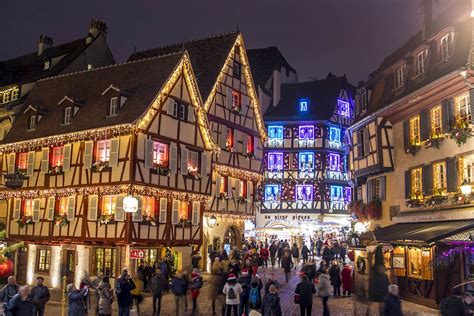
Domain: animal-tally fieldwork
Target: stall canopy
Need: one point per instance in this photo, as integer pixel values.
(422, 232)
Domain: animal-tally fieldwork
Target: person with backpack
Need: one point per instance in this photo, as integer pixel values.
(271, 303)
(232, 291)
(255, 297)
(196, 285)
(305, 253)
(123, 288)
(179, 287)
(295, 254)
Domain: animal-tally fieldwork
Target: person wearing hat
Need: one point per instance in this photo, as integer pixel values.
(232, 291)
(245, 278)
(40, 295)
(196, 284)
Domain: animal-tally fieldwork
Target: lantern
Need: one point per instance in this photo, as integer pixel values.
(130, 204)
(212, 221)
(466, 188)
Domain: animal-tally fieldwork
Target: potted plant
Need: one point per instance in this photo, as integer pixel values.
(416, 200)
(184, 222)
(100, 166)
(413, 149)
(193, 172)
(461, 132)
(106, 219)
(60, 220)
(149, 219)
(55, 170)
(437, 197)
(162, 168)
(24, 220)
(434, 141)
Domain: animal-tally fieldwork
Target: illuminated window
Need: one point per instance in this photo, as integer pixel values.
(334, 134)
(250, 144)
(304, 193)
(229, 143)
(28, 207)
(63, 205)
(439, 175)
(334, 162)
(236, 99)
(6, 97)
(415, 130)
(399, 76)
(103, 150)
(420, 63)
(183, 210)
(43, 260)
(275, 132)
(148, 205)
(343, 108)
(113, 106)
(237, 69)
(416, 182)
(32, 122)
(46, 65)
(337, 193)
(58, 156)
(109, 203)
(467, 164)
(193, 161)
(105, 261)
(67, 115)
(275, 161)
(464, 108)
(306, 132)
(272, 193)
(306, 161)
(447, 46)
(15, 93)
(22, 161)
(304, 104)
(223, 184)
(160, 154)
(348, 194)
(436, 125)
(243, 188)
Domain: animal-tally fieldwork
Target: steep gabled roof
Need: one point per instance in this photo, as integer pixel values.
(29, 67)
(142, 79)
(207, 55)
(263, 61)
(323, 95)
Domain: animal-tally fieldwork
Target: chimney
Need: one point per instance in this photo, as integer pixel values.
(44, 43)
(426, 17)
(276, 87)
(96, 28)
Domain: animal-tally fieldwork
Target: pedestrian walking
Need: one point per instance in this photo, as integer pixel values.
(76, 300)
(305, 290)
(254, 263)
(346, 276)
(271, 303)
(158, 285)
(244, 307)
(295, 254)
(86, 281)
(106, 297)
(264, 255)
(324, 291)
(343, 253)
(8, 291)
(137, 291)
(216, 284)
(196, 285)
(309, 269)
(280, 252)
(123, 288)
(305, 253)
(255, 295)
(232, 291)
(21, 304)
(179, 287)
(319, 245)
(335, 276)
(40, 295)
(271, 281)
(273, 253)
(392, 305)
(286, 265)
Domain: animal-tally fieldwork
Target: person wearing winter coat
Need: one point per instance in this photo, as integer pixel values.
(305, 253)
(295, 254)
(335, 276)
(319, 245)
(309, 269)
(280, 253)
(232, 291)
(392, 305)
(21, 304)
(106, 297)
(244, 307)
(305, 289)
(123, 288)
(245, 278)
(286, 265)
(158, 285)
(343, 253)
(255, 296)
(254, 260)
(215, 284)
(271, 303)
(137, 292)
(76, 301)
(346, 276)
(271, 281)
(264, 255)
(8, 291)
(273, 252)
(179, 287)
(324, 290)
(196, 284)
(327, 256)
(40, 295)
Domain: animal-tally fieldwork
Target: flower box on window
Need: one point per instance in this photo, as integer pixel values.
(14, 180)
(413, 149)
(236, 108)
(461, 132)
(100, 166)
(194, 172)
(25, 220)
(106, 219)
(434, 141)
(416, 200)
(242, 200)
(183, 222)
(55, 170)
(223, 196)
(438, 197)
(149, 219)
(162, 169)
(60, 220)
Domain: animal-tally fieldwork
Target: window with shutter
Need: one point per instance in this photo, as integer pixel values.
(204, 164)
(58, 156)
(415, 131)
(229, 186)
(163, 210)
(172, 107)
(119, 212)
(173, 165)
(11, 163)
(463, 109)
(416, 184)
(175, 212)
(71, 208)
(67, 157)
(144, 205)
(436, 122)
(103, 150)
(45, 160)
(452, 174)
(50, 203)
(88, 147)
(28, 207)
(22, 161)
(113, 106)
(427, 179)
(184, 161)
(31, 164)
(114, 152)
(92, 207)
(191, 114)
(16, 209)
(196, 213)
(149, 144)
(36, 210)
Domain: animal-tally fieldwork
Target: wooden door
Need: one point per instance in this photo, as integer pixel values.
(21, 265)
(68, 265)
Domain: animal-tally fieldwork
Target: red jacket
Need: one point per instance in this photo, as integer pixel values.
(264, 253)
(346, 278)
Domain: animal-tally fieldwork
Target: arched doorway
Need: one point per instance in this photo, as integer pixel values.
(231, 238)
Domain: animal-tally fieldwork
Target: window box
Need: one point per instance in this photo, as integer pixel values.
(437, 198)
(242, 200)
(14, 180)
(413, 149)
(149, 220)
(236, 109)
(194, 173)
(250, 155)
(56, 170)
(25, 220)
(416, 200)
(183, 222)
(434, 142)
(106, 219)
(100, 166)
(223, 196)
(461, 132)
(61, 220)
(162, 169)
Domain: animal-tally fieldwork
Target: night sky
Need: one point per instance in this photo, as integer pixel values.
(316, 36)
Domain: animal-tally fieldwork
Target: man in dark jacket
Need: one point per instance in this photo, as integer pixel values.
(40, 295)
(158, 285)
(245, 278)
(179, 287)
(280, 253)
(286, 265)
(305, 290)
(392, 305)
(335, 275)
(271, 281)
(305, 253)
(21, 304)
(271, 303)
(123, 287)
(319, 245)
(273, 252)
(9, 290)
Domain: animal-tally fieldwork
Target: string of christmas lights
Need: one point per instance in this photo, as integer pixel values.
(238, 173)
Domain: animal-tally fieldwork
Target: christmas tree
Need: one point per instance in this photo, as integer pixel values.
(169, 260)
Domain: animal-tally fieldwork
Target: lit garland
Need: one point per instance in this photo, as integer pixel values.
(238, 173)
(177, 195)
(229, 216)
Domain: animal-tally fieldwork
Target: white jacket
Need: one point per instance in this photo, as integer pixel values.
(237, 291)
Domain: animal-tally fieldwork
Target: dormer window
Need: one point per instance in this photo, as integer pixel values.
(113, 106)
(447, 46)
(68, 113)
(32, 122)
(399, 77)
(420, 62)
(46, 65)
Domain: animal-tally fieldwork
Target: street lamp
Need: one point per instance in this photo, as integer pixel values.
(212, 221)
(130, 204)
(466, 188)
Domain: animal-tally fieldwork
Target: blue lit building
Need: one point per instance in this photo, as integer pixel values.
(306, 184)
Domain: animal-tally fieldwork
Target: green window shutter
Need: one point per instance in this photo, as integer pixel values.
(452, 174)
(406, 134)
(408, 184)
(471, 104)
(427, 179)
(425, 125)
(447, 113)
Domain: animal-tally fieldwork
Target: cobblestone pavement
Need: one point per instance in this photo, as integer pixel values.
(338, 306)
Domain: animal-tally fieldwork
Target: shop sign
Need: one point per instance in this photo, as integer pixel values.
(436, 216)
(137, 253)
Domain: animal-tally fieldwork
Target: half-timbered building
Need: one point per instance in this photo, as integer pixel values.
(306, 178)
(87, 140)
(412, 154)
(231, 102)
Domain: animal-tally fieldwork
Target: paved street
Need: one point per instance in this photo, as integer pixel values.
(338, 306)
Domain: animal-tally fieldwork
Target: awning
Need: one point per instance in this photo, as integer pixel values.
(422, 232)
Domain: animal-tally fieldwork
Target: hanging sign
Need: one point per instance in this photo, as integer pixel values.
(137, 253)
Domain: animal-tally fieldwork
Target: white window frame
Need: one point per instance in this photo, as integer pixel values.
(182, 111)
(114, 106)
(160, 153)
(414, 130)
(57, 149)
(103, 150)
(468, 168)
(416, 178)
(464, 105)
(193, 160)
(46, 65)
(420, 62)
(68, 112)
(436, 121)
(399, 76)
(446, 43)
(32, 122)
(439, 176)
